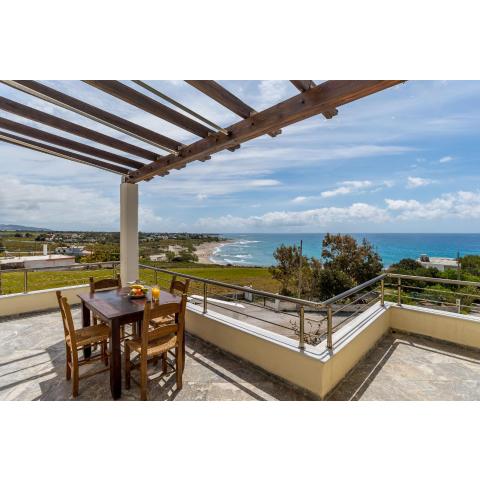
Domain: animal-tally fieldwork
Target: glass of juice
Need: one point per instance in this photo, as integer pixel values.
(155, 293)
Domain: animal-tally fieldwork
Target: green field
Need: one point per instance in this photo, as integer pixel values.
(259, 278)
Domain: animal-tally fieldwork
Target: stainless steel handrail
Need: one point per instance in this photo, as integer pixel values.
(75, 266)
(434, 280)
(353, 290)
(261, 293)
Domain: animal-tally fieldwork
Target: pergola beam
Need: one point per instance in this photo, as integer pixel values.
(148, 104)
(73, 128)
(63, 100)
(226, 98)
(59, 152)
(305, 85)
(67, 143)
(321, 98)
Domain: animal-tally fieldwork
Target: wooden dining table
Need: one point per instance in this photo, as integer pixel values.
(116, 308)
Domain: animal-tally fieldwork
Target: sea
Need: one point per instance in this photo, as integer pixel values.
(256, 249)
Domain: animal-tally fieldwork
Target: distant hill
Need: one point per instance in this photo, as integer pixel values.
(23, 228)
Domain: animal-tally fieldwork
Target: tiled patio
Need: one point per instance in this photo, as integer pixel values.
(32, 367)
(409, 367)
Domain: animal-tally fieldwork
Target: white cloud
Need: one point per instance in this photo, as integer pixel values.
(465, 205)
(300, 199)
(445, 159)
(415, 182)
(320, 217)
(347, 187)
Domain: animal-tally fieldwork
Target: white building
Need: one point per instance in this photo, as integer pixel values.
(76, 250)
(440, 263)
(37, 261)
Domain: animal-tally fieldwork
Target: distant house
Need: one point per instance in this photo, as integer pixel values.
(440, 263)
(36, 261)
(75, 250)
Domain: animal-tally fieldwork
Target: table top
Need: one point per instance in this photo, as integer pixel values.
(113, 304)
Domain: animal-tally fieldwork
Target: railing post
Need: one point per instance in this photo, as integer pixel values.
(25, 281)
(204, 297)
(459, 305)
(114, 269)
(155, 277)
(399, 299)
(301, 342)
(0, 282)
(382, 292)
(329, 328)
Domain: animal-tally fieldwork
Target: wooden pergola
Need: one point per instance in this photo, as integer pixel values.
(312, 99)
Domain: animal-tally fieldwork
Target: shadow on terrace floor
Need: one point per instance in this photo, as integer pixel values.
(410, 367)
(32, 367)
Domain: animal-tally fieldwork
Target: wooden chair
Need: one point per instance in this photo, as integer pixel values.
(176, 287)
(104, 284)
(156, 342)
(75, 339)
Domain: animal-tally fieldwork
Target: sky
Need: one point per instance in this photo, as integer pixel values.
(402, 160)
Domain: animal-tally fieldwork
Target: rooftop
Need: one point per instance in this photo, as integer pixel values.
(411, 367)
(32, 367)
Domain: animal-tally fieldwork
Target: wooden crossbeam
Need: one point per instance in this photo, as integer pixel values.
(148, 104)
(226, 98)
(70, 127)
(97, 114)
(59, 152)
(318, 99)
(303, 86)
(67, 143)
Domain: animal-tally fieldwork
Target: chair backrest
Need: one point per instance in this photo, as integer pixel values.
(68, 326)
(176, 286)
(160, 311)
(105, 284)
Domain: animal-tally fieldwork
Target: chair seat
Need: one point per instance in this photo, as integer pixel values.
(156, 346)
(91, 334)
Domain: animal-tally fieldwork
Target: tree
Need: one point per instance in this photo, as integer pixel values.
(471, 264)
(287, 269)
(406, 264)
(342, 253)
(328, 282)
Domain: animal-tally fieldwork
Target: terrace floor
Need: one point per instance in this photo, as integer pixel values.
(410, 367)
(32, 367)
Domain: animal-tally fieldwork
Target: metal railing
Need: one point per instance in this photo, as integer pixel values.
(309, 321)
(16, 280)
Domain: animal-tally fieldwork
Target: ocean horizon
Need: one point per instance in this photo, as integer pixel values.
(256, 249)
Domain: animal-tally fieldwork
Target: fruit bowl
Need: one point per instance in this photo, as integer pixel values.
(137, 291)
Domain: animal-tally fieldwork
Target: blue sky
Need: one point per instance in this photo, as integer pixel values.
(403, 160)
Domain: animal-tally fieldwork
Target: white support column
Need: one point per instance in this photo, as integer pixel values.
(128, 232)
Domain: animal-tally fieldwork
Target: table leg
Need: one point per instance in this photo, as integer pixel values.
(87, 351)
(115, 361)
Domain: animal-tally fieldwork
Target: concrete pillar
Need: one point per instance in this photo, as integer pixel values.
(128, 232)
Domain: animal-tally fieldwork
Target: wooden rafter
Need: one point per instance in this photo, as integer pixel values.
(321, 98)
(67, 143)
(59, 152)
(97, 114)
(148, 104)
(70, 127)
(303, 86)
(226, 98)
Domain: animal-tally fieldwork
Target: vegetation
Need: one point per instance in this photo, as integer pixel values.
(344, 263)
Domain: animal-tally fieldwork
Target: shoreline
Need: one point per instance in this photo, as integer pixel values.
(205, 251)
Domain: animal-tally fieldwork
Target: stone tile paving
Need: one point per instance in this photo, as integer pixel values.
(32, 367)
(410, 367)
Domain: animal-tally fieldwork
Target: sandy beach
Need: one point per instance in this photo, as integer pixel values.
(205, 250)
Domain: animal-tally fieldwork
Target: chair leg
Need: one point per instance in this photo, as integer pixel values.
(105, 352)
(127, 366)
(68, 355)
(164, 362)
(75, 373)
(95, 322)
(143, 377)
(179, 367)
